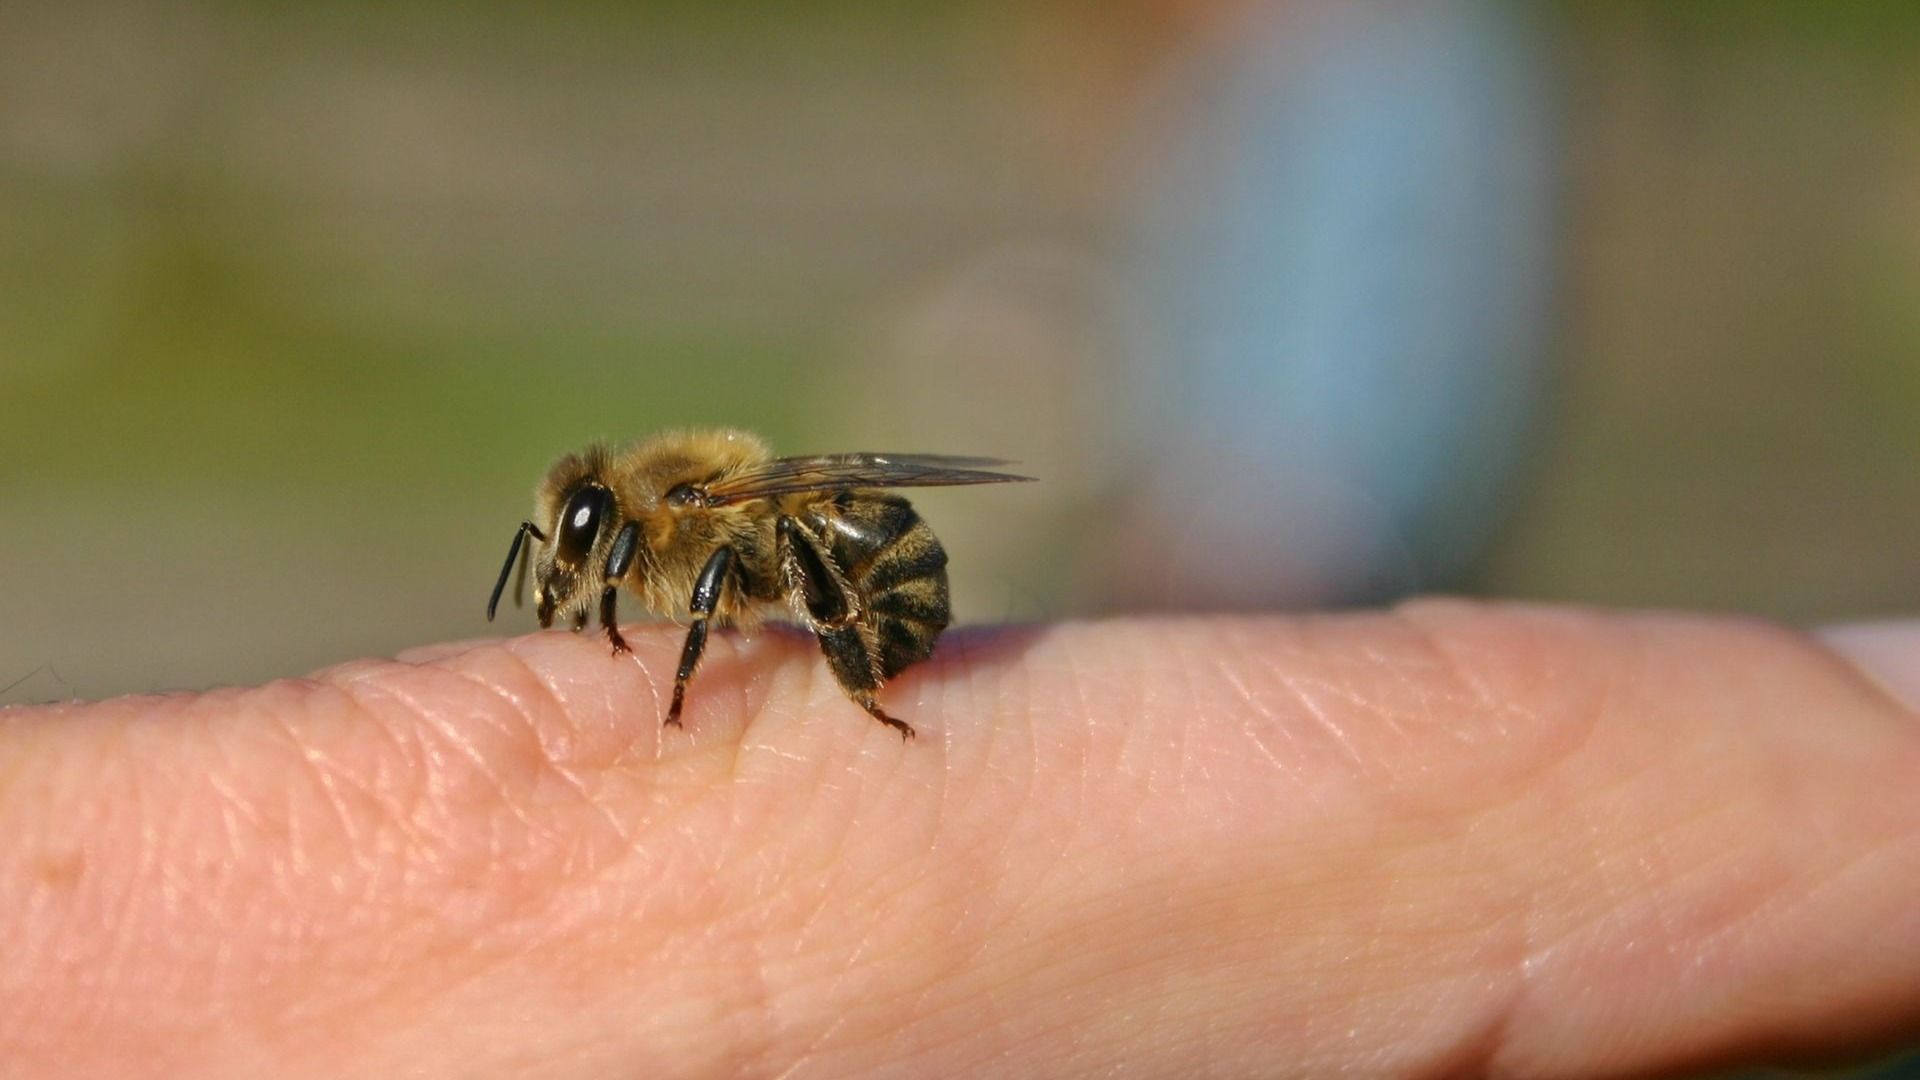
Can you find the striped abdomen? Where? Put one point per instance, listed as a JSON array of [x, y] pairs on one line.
[[897, 567]]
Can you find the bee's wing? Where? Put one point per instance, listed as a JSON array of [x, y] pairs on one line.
[[829, 472]]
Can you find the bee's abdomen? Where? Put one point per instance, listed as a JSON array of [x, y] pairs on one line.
[[897, 566]]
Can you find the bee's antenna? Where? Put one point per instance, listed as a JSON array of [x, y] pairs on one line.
[[513, 555], [520, 579]]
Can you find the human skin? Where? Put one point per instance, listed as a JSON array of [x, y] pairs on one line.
[[1451, 839]]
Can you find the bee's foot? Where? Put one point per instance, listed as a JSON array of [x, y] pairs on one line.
[[619, 643], [874, 710]]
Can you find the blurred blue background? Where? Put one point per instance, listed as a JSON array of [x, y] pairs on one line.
[[1295, 304]]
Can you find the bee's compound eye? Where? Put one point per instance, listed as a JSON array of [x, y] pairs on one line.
[[580, 523]]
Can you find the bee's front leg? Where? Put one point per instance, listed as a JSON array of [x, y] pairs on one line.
[[619, 561]]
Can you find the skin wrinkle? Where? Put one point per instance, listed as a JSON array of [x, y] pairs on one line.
[[1782, 904], [1715, 941], [1544, 954], [233, 803], [900, 890], [820, 921], [397, 743], [1063, 1030], [1261, 713], [733, 747], [1043, 977], [1325, 639], [772, 784], [1523, 756], [1306, 689], [996, 749], [882, 1030], [1401, 669], [557, 757], [1113, 980], [148, 848], [556, 847], [1758, 883], [536, 768], [1235, 656], [1531, 919], [362, 918], [1092, 920], [448, 735], [1014, 789], [324, 781], [198, 867], [1262, 717], [837, 983], [658, 699], [986, 920], [684, 829], [121, 927], [510, 729], [1502, 1013], [1170, 738], [1181, 760], [1662, 929], [1112, 731], [1618, 789], [557, 742], [1078, 683], [1301, 687], [1474, 696], [987, 748], [1376, 705], [1575, 942], [990, 1012], [35, 912], [955, 991], [96, 905], [232, 806], [611, 707], [1454, 655], [399, 771], [1136, 745], [1906, 847], [360, 693]]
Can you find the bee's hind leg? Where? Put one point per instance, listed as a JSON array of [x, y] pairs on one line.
[[851, 658], [850, 651], [865, 701]]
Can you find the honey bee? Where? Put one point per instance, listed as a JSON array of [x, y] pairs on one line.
[[710, 525]]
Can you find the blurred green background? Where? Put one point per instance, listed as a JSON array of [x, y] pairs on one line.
[[298, 301]]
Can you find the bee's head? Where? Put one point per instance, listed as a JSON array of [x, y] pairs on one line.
[[566, 575], [573, 524]]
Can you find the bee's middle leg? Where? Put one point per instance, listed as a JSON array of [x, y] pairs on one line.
[[619, 561], [706, 594]]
